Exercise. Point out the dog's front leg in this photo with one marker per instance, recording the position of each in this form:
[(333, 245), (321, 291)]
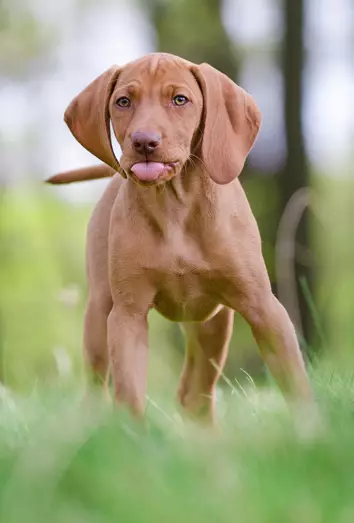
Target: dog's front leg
[(128, 351), (250, 294)]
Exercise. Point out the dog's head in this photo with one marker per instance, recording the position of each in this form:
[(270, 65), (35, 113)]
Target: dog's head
[(165, 110)]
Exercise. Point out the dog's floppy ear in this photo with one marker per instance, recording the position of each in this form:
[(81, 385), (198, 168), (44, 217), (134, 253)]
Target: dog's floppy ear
[(231, 120), (88, 117)]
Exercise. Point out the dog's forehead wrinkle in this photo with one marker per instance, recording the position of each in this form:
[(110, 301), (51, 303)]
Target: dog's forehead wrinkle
[(129, 85), (162, 80), (157, 57), (155, 66)]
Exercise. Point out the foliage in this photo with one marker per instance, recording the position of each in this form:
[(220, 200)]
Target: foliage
[(42, 283), (23, 38), (181, 29)]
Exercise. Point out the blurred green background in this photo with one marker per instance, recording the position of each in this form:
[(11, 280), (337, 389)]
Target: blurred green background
[(293, 57), (66, 460)]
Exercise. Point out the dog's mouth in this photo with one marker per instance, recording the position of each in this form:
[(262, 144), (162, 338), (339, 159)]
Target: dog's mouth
[(152, 171)]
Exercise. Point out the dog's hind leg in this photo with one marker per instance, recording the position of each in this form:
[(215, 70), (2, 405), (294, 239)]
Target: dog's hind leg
[(95, 338), (206, 351)]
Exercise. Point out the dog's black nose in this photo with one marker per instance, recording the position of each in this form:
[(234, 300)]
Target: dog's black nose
[(145, 142)]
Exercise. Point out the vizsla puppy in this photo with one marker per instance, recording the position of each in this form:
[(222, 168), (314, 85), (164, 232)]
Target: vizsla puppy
[(174, 230)]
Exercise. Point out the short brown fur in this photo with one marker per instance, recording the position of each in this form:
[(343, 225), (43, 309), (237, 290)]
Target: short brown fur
[(187, 244)]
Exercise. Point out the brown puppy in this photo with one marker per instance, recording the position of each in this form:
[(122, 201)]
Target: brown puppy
[(174, 230)]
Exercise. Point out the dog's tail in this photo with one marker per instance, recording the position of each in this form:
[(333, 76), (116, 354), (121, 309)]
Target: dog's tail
[(94, 172)]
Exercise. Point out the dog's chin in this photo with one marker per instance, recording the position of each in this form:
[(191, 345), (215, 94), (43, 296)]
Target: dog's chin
[(146, 178)]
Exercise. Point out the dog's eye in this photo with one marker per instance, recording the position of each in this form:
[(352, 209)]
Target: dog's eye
[(123, 101), (180, 99)]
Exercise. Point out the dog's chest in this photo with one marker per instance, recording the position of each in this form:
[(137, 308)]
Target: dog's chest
[(179, 254), (181, 273), (182, 267)]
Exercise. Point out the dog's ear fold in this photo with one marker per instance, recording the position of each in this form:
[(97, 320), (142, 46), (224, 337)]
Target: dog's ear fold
[(231, 121), (88, 117)]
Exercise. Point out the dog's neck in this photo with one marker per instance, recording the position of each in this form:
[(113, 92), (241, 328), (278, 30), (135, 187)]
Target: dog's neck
[(184, 198), (191, 185)]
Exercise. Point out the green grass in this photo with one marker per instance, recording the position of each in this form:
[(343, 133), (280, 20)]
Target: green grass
[(65, 460)]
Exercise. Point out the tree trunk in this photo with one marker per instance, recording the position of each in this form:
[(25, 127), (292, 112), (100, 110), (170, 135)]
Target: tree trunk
[(193, 30), (296, 171)]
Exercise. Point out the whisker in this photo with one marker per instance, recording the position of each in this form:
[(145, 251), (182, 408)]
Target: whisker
[(191, 162), (198, 159)]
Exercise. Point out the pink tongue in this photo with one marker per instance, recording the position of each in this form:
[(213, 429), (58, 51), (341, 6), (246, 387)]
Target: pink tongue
[(147, 171)]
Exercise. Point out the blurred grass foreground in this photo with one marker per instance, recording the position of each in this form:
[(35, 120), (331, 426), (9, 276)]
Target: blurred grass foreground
[(65, 461), (66, 458)]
